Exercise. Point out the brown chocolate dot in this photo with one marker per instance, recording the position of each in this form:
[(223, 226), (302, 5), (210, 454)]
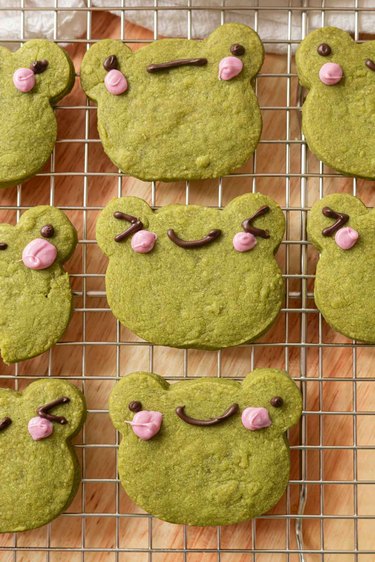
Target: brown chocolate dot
[(110, 63), (277, 401), (237, 49), (370, 64), (47, 231), (324, 50), (135, 406), (4, 423), (39, 66), (3, 246)]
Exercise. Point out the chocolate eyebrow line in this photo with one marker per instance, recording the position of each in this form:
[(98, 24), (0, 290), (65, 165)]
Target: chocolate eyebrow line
[(210, 237), (135, 225), (341, 219), (180, 411)]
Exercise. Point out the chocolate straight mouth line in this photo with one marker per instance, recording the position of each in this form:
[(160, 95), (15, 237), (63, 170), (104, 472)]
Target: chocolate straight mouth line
[(180, 411), (157, 67)]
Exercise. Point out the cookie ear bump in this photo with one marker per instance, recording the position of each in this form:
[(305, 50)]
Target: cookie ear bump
[(101, 68), (121, 219), (47, 66), (259, 216), (133, 394), (58, 402), (51, 225), (331, 220), (328, 45), (239, 41), (276, 392)]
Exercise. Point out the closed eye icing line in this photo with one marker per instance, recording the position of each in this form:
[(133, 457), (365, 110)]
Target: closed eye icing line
[(4, 423), (135, 225), (43, 411), (247, 224), (341, 219)]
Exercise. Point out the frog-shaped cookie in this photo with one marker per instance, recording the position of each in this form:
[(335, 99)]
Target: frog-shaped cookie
[(177, 109), (339, 111), (205, 451), (191, 276), (343, 230), (35, 295), (39, 469), (32, 79)]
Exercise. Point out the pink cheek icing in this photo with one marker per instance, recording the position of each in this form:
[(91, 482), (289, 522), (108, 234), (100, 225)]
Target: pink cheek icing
[(115, 82), (331, 73), (24, 79), (229, 67), (255, 418), (143, 241), (244, 241), (146, 424), (40, 428), (39, 254), (346, 238)]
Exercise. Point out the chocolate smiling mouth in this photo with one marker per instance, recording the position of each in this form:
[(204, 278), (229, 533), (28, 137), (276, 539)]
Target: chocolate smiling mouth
[(157, 67), (210, 237), (180, 411)]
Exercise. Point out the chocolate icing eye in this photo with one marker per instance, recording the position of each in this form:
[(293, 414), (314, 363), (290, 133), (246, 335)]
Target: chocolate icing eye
[(111, 63), (370, 64), (276, 401), (39, 66), (3, 245), (135, 406), (237, 49), (43, 411), (247, 224), (4, 423), (341, 219), (324, 50), (47, 231), (135, 225)]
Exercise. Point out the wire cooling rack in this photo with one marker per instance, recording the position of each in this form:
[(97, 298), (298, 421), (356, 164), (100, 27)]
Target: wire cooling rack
[(327, 513)]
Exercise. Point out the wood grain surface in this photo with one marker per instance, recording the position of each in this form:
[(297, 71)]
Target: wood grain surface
[(339, 378)]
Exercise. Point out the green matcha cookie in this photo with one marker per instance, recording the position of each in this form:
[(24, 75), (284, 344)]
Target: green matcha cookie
[(339, 111), (206, 451), (342, 229), (31, 80), (39, 469), (190, 276), (35, 296), (177, 109)]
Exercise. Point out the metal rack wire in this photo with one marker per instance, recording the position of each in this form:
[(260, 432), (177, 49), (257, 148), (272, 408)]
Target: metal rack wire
[(102, 525)]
